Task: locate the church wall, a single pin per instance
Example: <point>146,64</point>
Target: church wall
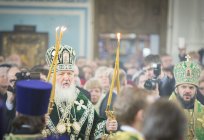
<point>185,19</point>
<point>46,15</point>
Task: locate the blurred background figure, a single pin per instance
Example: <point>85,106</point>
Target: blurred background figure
<point>77,82</point>
<point>129,108</point>
<point>93,86</point>
<point>32,99</point>
<point>1,59</point>
<point>200,91</point>
<point>102,73</point>
<point>42,70</point>
<point>4,79</point>
<point>86,73</point>
<point>6,97</point>
<point>139,79</point>
<point>123,83</point>
<point>76,76</point>
<point>164,120</point>
<point>166,60</point>
<point>15,59</point>
<point>1,119</point>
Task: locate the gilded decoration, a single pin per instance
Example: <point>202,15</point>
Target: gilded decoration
<point>30,46</point>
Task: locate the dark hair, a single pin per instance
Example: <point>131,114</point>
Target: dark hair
<point>5,65</point>
<point>41,69</point>
<point>37,123</point>
<point>164,120</point>
<point>152,58</point>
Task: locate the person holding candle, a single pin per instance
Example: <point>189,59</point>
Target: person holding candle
<point>129,110</point>
<point>73,115</point>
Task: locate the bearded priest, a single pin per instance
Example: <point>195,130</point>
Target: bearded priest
<point>73,115</point>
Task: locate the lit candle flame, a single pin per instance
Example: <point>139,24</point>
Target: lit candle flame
<point>118,36</point>
<point>63,28</point>
<point>57,28</point>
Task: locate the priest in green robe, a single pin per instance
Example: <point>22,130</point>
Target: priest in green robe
<point>73,115</point>
<point>187,75</point>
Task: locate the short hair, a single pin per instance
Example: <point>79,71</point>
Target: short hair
<point>101,70</point>
<point>41,69</point>
<point>164,120</point>
<point>136,77</point>
<point>36,123</point>
<point>128,103</point>
<point>152,58</point>
<point>93,83</point>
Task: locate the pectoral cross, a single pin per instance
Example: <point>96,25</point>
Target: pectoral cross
<point>201,120</point>
<point>80,105</point>
<point>68,124</point>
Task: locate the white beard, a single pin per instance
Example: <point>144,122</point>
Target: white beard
<point>65,94</point>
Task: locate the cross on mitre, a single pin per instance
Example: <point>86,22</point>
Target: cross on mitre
<point>187,57</point>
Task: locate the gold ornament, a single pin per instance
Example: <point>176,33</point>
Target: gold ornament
<point>61,127</point>
<point>76,126</point>
<point>69,127</point>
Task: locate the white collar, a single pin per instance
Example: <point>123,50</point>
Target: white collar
<point>130,129</point>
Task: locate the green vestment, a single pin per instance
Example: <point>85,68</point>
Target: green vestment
<point>123,135</point>
<point>195,119</point>
<point>23,137</point>
<point>81,112</point>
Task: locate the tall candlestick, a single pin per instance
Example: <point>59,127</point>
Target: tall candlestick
<point>54,64</point>
<point>118,63</point>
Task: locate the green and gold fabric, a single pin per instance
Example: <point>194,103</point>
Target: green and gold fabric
<point>79,120</point>
<point>187,72</point>
<point>23,137</point>
<point>66,58</point>
<point>195,119</point>
<point>124,135</point>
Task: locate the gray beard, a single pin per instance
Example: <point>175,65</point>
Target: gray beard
<point>65,94</point>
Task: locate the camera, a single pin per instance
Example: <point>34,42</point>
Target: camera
<point>151,84</point>
<point>24,75</point>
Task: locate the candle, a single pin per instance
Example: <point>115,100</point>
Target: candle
<point>54,64</point>
<point>115,73</point>
<point>118,63</point>
<point>118,36</point>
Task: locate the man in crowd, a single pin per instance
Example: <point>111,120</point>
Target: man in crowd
<point>129,108</point>
<point>73,115</point>
<point>94,87</point>
<point>187,76</point>
<point>1,119</point>
<point>7,97</point>
<point>32,98</point>
<point>160,125</point>
<point>153,72</point>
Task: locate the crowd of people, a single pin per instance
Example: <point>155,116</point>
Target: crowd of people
<point>157,101</point>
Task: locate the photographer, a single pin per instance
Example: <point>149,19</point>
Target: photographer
<point>11,103</point>
<point>157,80</point>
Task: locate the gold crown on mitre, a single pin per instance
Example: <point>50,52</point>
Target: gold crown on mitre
<point>187,72</point>
<point>66,57</point>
